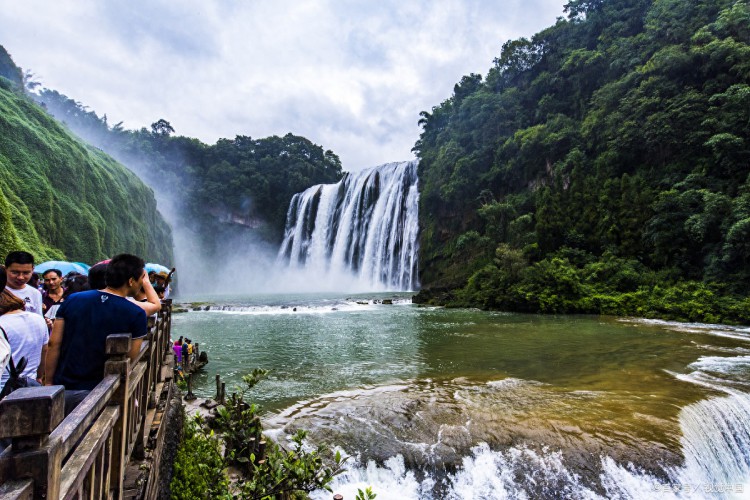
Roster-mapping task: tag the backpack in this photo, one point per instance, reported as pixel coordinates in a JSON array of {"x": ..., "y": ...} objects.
[{"x": 15, "y": 381}]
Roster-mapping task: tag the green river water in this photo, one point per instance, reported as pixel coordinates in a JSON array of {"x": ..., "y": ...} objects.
[{"x": 446, "y": 403}]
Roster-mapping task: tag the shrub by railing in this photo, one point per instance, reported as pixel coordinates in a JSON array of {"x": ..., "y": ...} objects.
[{"x": 84, "y": 454}]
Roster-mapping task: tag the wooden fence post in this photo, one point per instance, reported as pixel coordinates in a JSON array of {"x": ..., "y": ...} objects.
[
  {"x": 167, "y": 318},
  {"x": 166, "y": 311},
  {"x": 28, "y": 416},
  {"x": 118, "y": 363},
  {"x": 154, "y": 366},
  {"x": 190, "y": 396}
]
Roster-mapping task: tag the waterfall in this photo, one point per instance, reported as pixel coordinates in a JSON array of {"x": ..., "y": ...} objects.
[
  {"x": 716, "y": 431},
  {"x": 365, "y": 227},
  {"x": 715, "y": 439}
]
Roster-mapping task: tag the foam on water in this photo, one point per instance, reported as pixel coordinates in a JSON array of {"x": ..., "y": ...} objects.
[
  {"x": 305, "y": 308},
  {"x": 393, "y": 480},
  {"x": 287, "y": 310},
  {"x": 715, "y": 444},
  {"x": 728, "y": 331}
]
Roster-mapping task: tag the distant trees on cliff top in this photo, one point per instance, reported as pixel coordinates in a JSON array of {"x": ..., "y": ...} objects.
[{"x": 238, "y": 184}]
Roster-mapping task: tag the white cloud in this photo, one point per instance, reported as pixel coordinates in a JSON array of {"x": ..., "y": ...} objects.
[{"x": 350, "y": 75}]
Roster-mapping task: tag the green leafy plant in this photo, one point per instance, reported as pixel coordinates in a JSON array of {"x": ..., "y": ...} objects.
[
  {"x": 181, "y": 383},
  {"x": 268, "y": 469},
  {"x": 291, "y": 472},
  {"x": 238, "y": 421},
  {"x": 199, "y": 468},
  {"x": 367, "y": 494}
]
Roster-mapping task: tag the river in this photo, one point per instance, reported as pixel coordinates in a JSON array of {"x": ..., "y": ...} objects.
[{"x": 466, "y": 404}]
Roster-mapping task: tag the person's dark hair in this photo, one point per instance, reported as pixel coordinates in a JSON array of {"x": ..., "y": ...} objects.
[
  {"x": 3, "y": 277},
  {"x": 97, "y": 277},
  {"x": 56, "y": 271},
  {"x": 75, "y": 283},
  {"x": 19, "y": 257},
  {"x": 33, "y": 280},
  {"x": 121, "y": 268}
]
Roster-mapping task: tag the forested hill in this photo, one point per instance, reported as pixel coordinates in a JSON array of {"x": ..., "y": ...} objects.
[
  {"x": 219, "y": 192},
  {"x": 63, "y": 199},
  {"x": 600, "y": 167}
]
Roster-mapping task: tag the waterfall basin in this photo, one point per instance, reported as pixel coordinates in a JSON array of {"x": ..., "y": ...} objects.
[{"x": 439, "y": 403}]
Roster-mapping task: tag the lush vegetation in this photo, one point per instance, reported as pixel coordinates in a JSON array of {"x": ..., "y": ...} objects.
[
  {"x": 63, "y": 199},
  {"x": 9, "y": 70},
  {"x": 240, "y": 184},
  {"x": 601, "y": 166},
  {"x": 234, "y": 438}
]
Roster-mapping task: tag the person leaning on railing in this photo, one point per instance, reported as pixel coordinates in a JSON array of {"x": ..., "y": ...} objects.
[{"x": 76, "y": 353}]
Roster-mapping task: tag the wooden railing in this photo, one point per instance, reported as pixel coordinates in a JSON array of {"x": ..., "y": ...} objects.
[{"x": 84, "y": 455}]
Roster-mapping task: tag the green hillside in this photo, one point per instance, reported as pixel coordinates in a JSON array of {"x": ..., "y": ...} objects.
[
  {"x": 600, "y": 167},
  {"x": 235, "y": 188},
  {"x": 60, "y": 198}
]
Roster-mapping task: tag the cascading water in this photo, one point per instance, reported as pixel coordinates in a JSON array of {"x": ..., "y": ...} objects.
[
  {"x": 365, "y": 227},
  {"x": 714, "y": 444}
]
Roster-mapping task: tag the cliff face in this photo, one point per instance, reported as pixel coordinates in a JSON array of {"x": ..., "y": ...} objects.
[{"x": 61, "y": 198}]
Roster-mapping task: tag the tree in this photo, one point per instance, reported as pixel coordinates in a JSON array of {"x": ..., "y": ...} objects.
[{"x": 162, "y": 128}]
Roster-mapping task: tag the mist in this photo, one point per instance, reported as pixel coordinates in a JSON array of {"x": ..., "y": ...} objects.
[
  {"x": 237, "y": 260},
  {"x": 240, "y": 262},
  {"x": 364, "y": 239}
]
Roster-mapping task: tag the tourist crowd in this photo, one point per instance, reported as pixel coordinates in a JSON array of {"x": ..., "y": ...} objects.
[{"x": 54, "y": 330}]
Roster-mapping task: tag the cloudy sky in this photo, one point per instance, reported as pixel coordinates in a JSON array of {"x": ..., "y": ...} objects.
[{"x": 350, "y": 75}]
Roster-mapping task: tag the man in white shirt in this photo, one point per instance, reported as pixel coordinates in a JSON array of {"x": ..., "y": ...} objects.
[{"x": 19, "y": 267}]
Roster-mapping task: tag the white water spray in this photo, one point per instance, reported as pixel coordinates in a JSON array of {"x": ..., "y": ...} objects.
[
  {"x": 364, "y": 227},
  {"x": 715, "y": 444}
]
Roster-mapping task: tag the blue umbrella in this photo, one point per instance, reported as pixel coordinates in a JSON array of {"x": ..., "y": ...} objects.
[
  {"x": 157, "y": 268},
  {"x": 63, "y": 266},
  {"x": 83, "y": 265}
]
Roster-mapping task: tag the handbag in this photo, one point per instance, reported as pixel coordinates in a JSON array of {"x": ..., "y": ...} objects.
[{"x": 15, "y": 381}]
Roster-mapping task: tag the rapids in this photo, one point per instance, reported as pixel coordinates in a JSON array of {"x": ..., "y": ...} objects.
[{"x": 432, "y": 403}]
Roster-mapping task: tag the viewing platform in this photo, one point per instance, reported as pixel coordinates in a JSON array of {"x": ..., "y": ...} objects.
[{"x": 112, "y": 445}]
